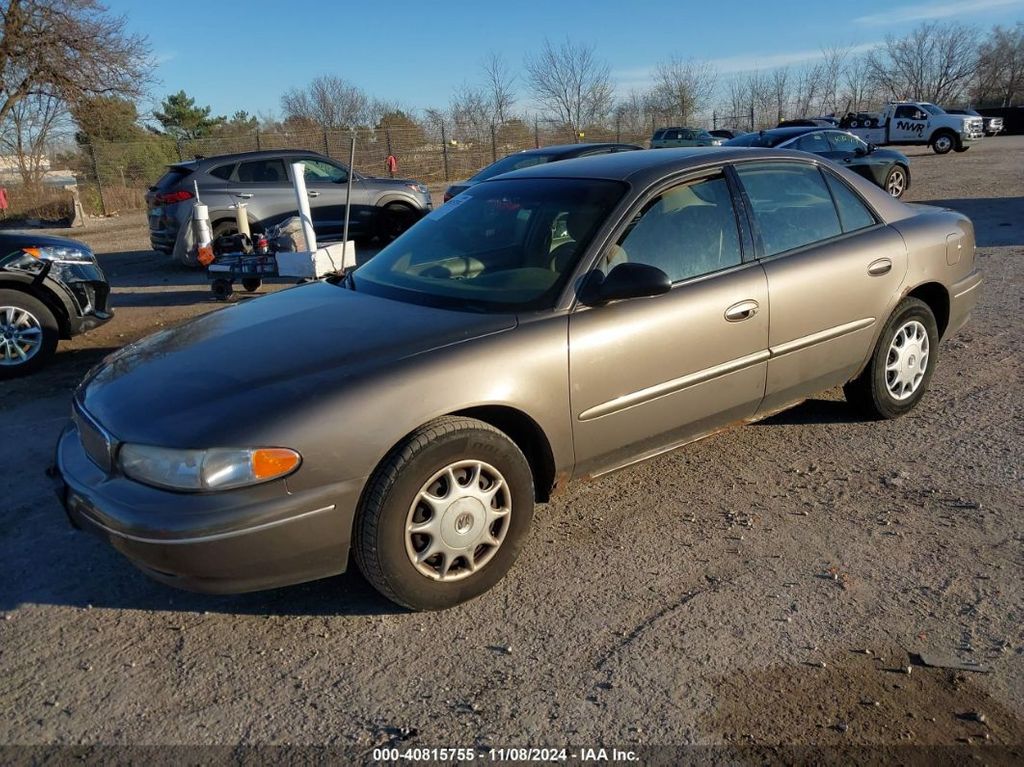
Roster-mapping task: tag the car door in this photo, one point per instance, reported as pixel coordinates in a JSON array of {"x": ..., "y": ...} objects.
[
  {"x": 263, "y": 185},
  {"x": 649, "y": 374},
  {"x": 849, "y": 151},
  {"x": 909, "y": 123},
  {"x": 833, "y": 270},
  {"x": 326, "y": 186}
]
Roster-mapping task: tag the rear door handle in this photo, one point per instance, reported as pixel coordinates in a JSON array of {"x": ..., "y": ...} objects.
[
  {"x": 880, "y": 267},
  {"x": 245, "y": 195},
  {"x": 313, "y": 194},
  {"x": 744, "y": 310}
]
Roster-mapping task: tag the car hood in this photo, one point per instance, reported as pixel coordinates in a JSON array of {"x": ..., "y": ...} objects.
[
  {"x": 179, "y": 386},
  {"x": 18, "y": 239}
]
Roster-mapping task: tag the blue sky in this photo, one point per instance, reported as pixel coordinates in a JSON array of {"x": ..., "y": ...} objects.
[{"x": 244, "y": 55}]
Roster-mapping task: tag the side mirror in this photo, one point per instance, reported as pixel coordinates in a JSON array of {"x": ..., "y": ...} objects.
[
  {"x": 861, "y": 151},
  {"x": 628, "y": 280},
  {"x": 871, "y": 148}
]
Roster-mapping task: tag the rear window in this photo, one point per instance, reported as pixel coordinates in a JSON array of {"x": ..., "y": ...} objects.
[
  {"x": 657, "y": 135},
  {"x": 174, "y": 175}
]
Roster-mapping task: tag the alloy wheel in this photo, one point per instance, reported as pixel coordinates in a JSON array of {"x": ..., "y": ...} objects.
[
  {"x": 897, "y": 183},
  {"x": 458, "y": 520},
  {"x": 21, "y": 335}
]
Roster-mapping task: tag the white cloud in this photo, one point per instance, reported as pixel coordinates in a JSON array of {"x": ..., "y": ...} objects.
[
  {"x": 642, "y": 77},
  {"x": 929, "y": 11}
]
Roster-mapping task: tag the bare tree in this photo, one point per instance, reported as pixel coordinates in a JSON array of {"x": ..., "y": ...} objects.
[
  {"x": 633, "y": 115},
  {"x": 833, "y": 63},
  {"x": 500, "y": 85},
  {"x": 859, "y": 92},
  {"x": 1000, "y": 79},
  {"x": 571, "y": 83},
  {"x": 67, "y": 49},
  {"x": 683, "y": 88},
  {"x": 935, "y": 62},
  {"x": 28, "y": 131},
  {"x": 780, "y": 92},
  {"x": 328, "y": 102}
]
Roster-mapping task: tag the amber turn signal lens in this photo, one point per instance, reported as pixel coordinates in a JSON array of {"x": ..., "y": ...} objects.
[{"x": 270, "y": 462}]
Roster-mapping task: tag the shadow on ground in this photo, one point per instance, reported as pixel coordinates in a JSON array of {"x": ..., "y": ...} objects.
[{"x": 998, "y": 221}]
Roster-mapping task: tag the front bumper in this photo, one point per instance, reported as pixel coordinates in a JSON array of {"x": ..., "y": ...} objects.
[{"x": 229, "y": 542}]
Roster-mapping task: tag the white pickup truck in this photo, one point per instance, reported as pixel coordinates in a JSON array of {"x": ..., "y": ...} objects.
[{"x": 916, "y": 122}]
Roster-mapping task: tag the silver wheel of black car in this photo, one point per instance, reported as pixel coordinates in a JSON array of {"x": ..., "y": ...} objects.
[
  {"x": 28, "y": 333},
  {"x": 902, "y": 364},
  {"x": 896, "y": 182},
  {"x": 444, "y": 515}
]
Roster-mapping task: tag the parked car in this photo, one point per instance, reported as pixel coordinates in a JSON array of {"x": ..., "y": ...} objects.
[
  {"x": 885, "y": 167},
  {"x": 990, "y": 125},
  {"x": 474, "y": 366},
  {"x": 726, "y": 133},
  {"x": 916, "y": 122},
  {"x": 51, "y": 288},
  {"x": 381, "y": 207},
  {"x": 809, "y": 122},
  {"x": 529, "y": 157},
  {"x": 666, "y": 138}
]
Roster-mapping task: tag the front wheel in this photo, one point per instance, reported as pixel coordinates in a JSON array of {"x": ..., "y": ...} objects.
[
  {"x": 901, "y": 366},
  {"x": 393, "y": 219},
  {"x": 28, "y": 333},
  {"x": 896, "y": 181},
  {"x": 445, "y": 514},
  {"x": 943, "y": 143}
]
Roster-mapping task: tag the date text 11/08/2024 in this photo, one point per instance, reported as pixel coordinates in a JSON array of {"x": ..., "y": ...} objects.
[{"x": 513, "y": 754}]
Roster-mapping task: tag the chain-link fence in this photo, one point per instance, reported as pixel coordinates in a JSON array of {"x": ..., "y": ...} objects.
[{"x": 114, "y": 177}]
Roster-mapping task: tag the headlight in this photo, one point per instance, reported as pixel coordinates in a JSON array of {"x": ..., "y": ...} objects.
[
  {"x": 214, "y": 469},
  {"x": 62, "y": 255},
  {"x": 419, "y": 188}
]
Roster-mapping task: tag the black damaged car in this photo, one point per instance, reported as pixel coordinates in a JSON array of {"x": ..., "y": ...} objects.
[
  {"x": 51, "y": 288},
  {"x": 886, "y": 167}
]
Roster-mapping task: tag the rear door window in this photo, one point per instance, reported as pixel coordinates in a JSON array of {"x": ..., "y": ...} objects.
[
  {"x": 853, "y": 213},
  {"x": 262, "y": 172},
  {"x": 791, "y": 203}
]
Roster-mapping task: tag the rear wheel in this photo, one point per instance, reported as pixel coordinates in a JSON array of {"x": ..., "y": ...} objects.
[
  {"x": 896, "y": 181},
  {"x": 444, "y": 515},
  {"x": 28, "y": 333},
  {"x": 943, "y": 142},
  {"x": 251, "y": 284},
  {"x": 901, "y": 366}
]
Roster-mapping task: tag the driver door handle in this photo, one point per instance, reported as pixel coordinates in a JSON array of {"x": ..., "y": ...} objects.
[
  {"x": 744, "y": 310},
  {"x": 313, "y": 194},
  {"x": 245, "y": 195}
]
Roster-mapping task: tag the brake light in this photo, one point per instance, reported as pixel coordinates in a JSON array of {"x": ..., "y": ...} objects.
[{"x": 170, "y": 198}]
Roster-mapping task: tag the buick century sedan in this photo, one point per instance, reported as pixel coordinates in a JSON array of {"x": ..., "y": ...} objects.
[{"x": 561, "y": 321}]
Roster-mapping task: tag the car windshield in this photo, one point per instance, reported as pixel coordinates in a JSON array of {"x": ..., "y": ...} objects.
[
  {"x": 503, "y": 246},
  {"x": 704, "y": 134},
  {"x": 511, "y": 163},
  {"x": 932, "y": 109}
]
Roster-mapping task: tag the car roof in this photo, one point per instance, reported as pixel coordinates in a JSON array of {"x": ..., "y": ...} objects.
[
  {"x": 256, "y": 155},
  {"x": 644, "y": 166},
  {"x": 569, "y": 150}
]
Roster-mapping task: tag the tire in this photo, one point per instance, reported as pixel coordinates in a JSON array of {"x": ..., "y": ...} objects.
[
  {"x": 393, "y": 219},
  {"x": 871, "y": 391},
  {"x": 943, "y": 141},
  {"x": 395, "y": 498},
  {"x": 28, "y": 333},
  {"x": 896, "y": 181},
  {"x": 252, "y": 284},
  {"x": 222, "y": 289}
]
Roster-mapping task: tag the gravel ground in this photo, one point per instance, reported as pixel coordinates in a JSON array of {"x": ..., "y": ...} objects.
[{"x": 766, "y": 586}]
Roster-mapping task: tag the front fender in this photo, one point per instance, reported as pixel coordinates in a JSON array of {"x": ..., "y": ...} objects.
[{"x": 392, "y": 196}]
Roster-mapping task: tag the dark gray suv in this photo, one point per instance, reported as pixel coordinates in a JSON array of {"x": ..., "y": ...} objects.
[{"x": 382, "y": 207}]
